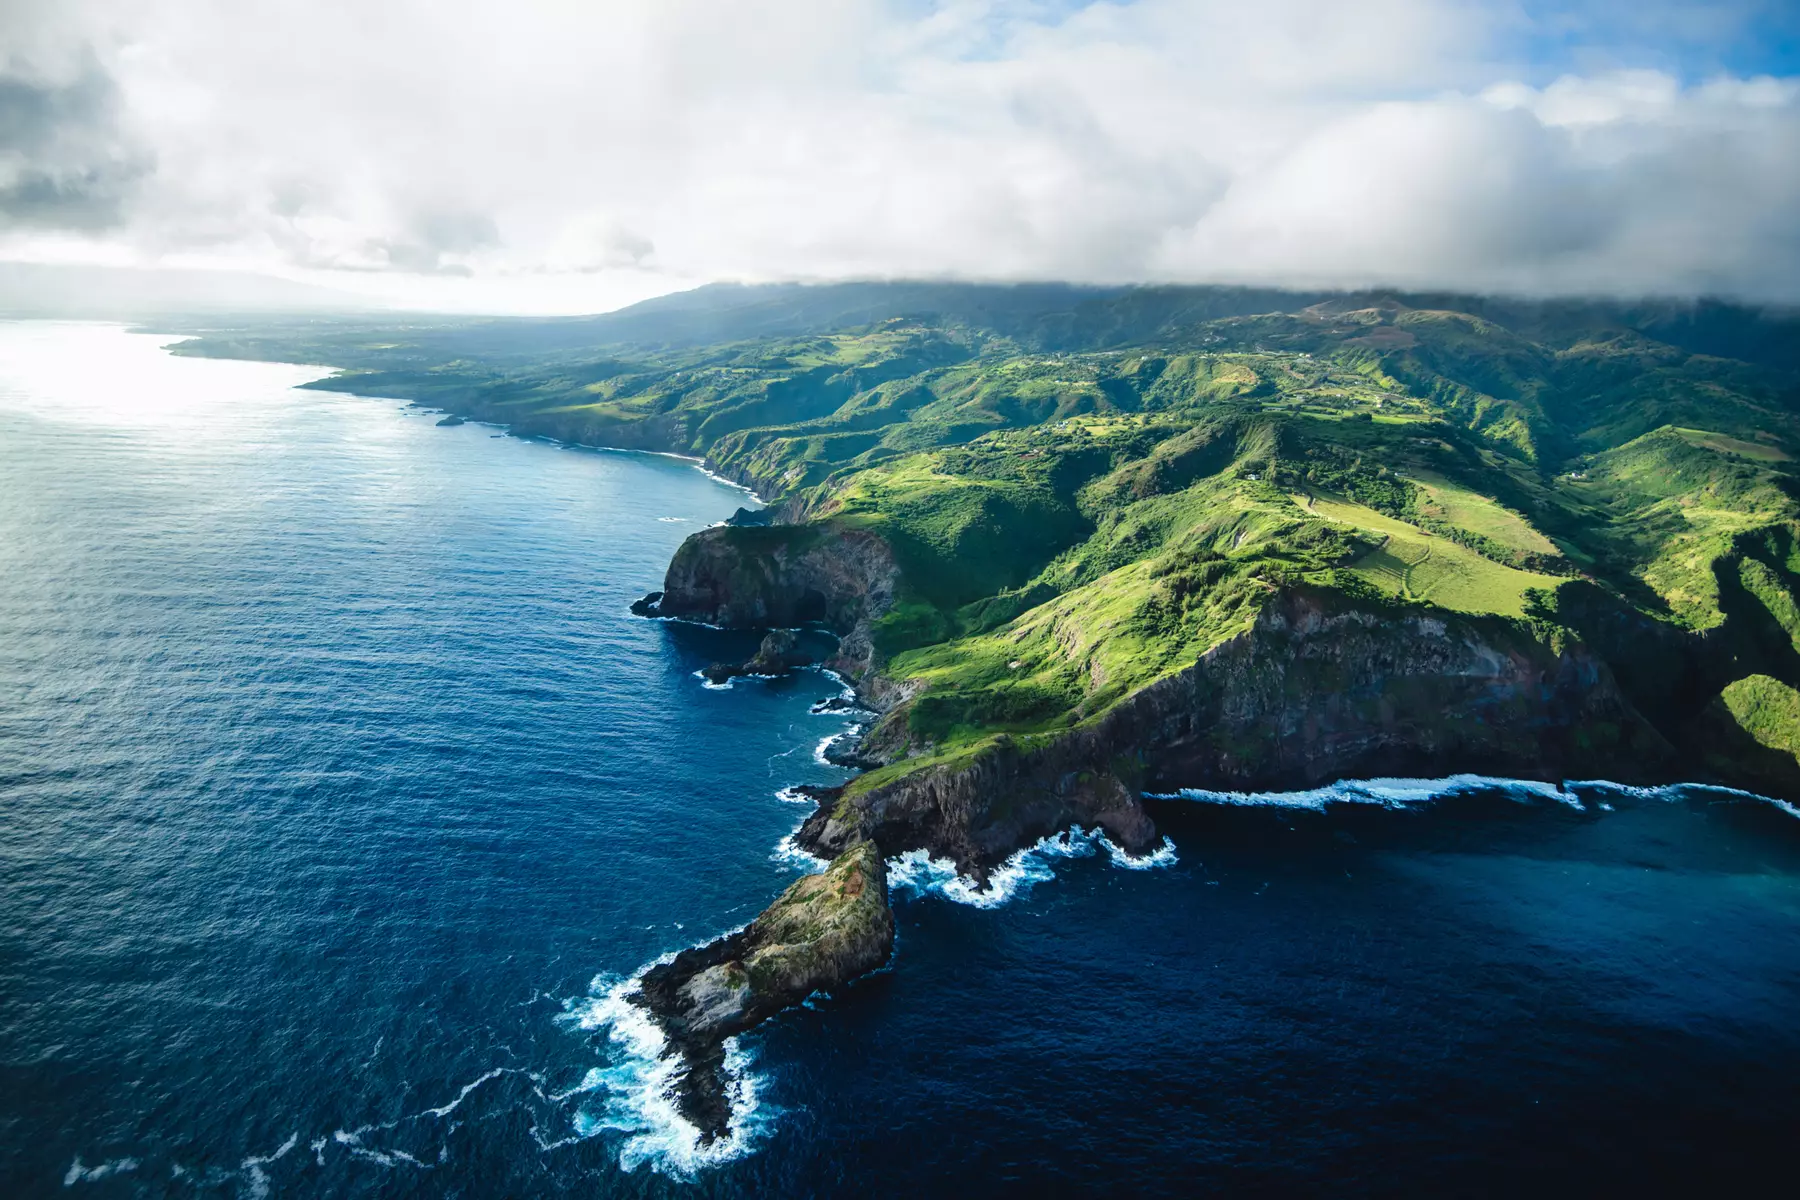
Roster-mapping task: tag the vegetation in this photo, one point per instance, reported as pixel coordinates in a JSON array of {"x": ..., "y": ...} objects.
[
  {"x": 1768, "y": 710},
  {"x": 1087, "y": 488}
]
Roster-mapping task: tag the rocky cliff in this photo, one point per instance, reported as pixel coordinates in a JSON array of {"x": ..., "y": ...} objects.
[
  {"x": 822, "y": 932},
  {"x": 784, "y": 576},
  {"x": 1320, "y": 688}
]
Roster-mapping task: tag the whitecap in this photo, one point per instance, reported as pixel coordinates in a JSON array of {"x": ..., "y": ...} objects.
[{"x": 78, "y": 1173}]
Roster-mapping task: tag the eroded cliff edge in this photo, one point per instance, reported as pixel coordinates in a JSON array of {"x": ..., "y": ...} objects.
[
  {"x": 1318, "y": 689},
  {"x": 1320, "y": 686}
]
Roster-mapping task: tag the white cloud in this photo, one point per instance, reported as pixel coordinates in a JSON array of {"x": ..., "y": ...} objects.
[{"x": 569, "y": 155}]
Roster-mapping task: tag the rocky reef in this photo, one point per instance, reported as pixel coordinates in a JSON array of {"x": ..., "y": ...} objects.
[
  {"x": 779, "y": 653},
  {"x": 820, "y": 933}
]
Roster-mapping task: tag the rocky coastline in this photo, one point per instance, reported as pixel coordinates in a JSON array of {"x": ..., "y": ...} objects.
[
  {"x": 1321, "y": 686},
  {"x": 819, "y": 934}
]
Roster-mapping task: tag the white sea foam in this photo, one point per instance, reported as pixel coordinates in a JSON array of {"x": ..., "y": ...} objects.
[
  {"x": 1679, "y": 791},
  {"x": 709, "y": 685},
  {"x": 1163, "y": 856},
  {"x": 1386, "y": 793},
  {"x": 824, "y": 744},
  {"x": 788, "y": 795},
  {"x": 633, "y": 1095},
  {"x": 918, "y": 874},
  {"x": 788, "y": 853},
  {"x": 253, "y": 1166},
  {"x": 78, "y": 1173},
  {"x": 1405, "y": 793},
  {"x": 847, "y": 692},
  {"x": 718, "y": 478},
  {"x": 449, "y": 1108}
]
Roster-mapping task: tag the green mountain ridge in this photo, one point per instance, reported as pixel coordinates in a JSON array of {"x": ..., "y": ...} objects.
[{"x": 1084, "y": 490}]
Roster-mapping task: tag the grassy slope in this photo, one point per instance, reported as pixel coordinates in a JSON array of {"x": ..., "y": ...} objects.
[
  {"x": 1083, "y": 498},
  {"x": 1768, "y": 710}
]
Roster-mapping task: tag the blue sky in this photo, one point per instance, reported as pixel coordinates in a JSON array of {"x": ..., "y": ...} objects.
[{"x": 1692, "y": 41}]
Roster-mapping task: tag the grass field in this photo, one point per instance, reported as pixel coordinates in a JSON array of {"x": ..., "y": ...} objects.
[
  {"x": 1415, "y": 565},
  {"x": 1730, "y": 445},
  {"x": 1478, "y": 514}
]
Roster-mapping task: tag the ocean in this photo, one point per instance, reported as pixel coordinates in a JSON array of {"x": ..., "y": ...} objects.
[{"x": 341, "y": 796}]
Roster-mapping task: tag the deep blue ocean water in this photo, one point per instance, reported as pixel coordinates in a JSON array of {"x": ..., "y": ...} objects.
[{"x": 339, "y": 793}]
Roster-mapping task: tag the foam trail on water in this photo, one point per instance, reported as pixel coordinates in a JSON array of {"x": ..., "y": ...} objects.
[
  {"x": 449, "y": 1108},
  {"x": 633, "y": 1094},
  {"x": 253, "y": 1166}
]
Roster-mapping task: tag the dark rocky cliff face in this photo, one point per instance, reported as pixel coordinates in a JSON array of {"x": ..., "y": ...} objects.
[
  {"x": 785, "y": 576},
  {"x": 1318, "y": 690}
]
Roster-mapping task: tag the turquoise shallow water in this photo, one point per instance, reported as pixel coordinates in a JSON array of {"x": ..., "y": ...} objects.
[{"x": 339, "y": 792}]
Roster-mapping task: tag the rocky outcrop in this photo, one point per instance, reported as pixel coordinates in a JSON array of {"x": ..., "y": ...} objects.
[
  {"x": 779, "y": 653},
  {"x": 758, "y": 577},
  {"x": 1317, "y": 690},
  {"x": 978, "y": 811},
  {"x": 822, "y": 932}
]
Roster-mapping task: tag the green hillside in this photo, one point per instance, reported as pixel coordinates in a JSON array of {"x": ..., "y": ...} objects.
[{"x": 1087, "y": 488}]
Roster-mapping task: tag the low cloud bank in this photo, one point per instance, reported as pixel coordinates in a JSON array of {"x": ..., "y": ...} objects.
[{"x": 541, "y": 154}]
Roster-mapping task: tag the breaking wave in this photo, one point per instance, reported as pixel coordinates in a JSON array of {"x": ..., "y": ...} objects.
[
  {"x": 1397, "y": 793},
  {"x": 1386, "y": 793},
  {"x": 789, "y": 853},
  {"x": 916, "y": 873},
  {"x": 632, "y": 1094}
]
